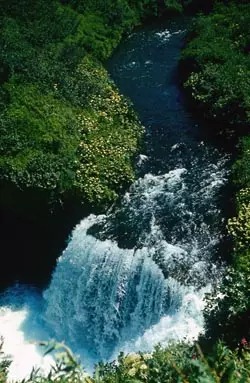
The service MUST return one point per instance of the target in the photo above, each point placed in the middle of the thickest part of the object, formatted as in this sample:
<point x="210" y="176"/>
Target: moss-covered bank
<point x="65" y="132"/>
<point x="217" y="64"/>
<point x="68" y="139"/>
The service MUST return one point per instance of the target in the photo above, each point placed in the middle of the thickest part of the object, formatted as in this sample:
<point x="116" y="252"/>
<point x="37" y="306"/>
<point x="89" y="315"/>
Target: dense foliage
<point x="65" y="132"/>
<point x="178" y="363"/>
<point x="218" y="63"/>
<point x="64" y="128"/>
<point x="228" y="310"/>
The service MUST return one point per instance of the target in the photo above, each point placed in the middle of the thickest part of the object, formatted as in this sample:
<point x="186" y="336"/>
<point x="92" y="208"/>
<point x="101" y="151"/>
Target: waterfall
<point x="137" y="275"/>
<point x="101" y="295"/>
<point x="104" y="298"/>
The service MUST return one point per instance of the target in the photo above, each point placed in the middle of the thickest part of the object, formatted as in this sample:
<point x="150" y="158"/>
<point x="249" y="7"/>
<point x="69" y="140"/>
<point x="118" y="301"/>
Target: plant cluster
<point x="218" y="62"/>
<point x="53" y="91"/>
<point x="217" y="65"/>
<point x="228" y="310"/>
<point x="52" y="86"/>
<point x="178" y="363"/>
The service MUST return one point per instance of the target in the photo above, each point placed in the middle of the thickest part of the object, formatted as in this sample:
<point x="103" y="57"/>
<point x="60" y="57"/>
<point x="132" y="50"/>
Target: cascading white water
<point x="136" y="276"/>
<point x="103" y="298"/>
<point x="21" y="329"/>
<point x="101" y="295"/>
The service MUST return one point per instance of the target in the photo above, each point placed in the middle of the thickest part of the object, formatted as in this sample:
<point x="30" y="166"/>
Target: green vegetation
<point x="217" y="56"/>
<point x="4" y="364"/>
<point x="178" y="363"/>
<point x="228" y="310"/>
<point x="64" y="129"/>
<point x="66" y="132"/>
<point x="217" y="64"/>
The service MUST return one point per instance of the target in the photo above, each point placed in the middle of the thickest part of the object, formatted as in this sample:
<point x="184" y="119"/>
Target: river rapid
<point x="137" y="275"/>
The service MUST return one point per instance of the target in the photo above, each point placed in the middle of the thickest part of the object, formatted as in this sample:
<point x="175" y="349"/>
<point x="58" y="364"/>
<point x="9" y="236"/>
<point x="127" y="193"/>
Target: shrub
<point x="227" y="312"/>
<point x="177" y="363"/>
<point x="38" y="140"/>
<point x="56" y="90"/>
<point x="220" y="64"/>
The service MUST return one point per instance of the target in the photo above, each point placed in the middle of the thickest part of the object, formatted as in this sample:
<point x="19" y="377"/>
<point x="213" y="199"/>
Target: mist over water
<point x="137" y="275"/>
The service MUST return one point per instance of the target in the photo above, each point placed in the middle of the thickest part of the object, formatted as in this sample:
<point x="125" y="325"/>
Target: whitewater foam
<point x="136" y="276"/>
<point x="20" y="342"/>
<point x="103" y="298"/>
<point x="100" y="296"/>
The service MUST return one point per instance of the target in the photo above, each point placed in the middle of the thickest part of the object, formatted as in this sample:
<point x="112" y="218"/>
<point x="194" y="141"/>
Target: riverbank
<point x="68" y="139"/>
<point x="216" y="78"/>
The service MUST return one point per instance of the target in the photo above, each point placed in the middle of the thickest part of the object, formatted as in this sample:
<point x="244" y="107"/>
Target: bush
<point x="227" y="312"/>
<point x="38" y="140"/>
<point x="5" y="362"/>
<point x="217" y="64"/>
<point x="177" y="363"/>
<point x="217" y="50"/>
<point x="54" y="91"/>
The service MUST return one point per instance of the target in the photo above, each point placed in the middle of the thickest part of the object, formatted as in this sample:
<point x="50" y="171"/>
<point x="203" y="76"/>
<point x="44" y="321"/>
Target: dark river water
<point x="137" y="275"/>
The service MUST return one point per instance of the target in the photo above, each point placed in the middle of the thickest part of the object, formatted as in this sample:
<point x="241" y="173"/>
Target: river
<point x="137" y="275"/>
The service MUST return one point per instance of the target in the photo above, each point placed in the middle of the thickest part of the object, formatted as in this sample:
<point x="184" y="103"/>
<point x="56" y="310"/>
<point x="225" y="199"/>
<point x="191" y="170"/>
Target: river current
<point x="137" y="275"/>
